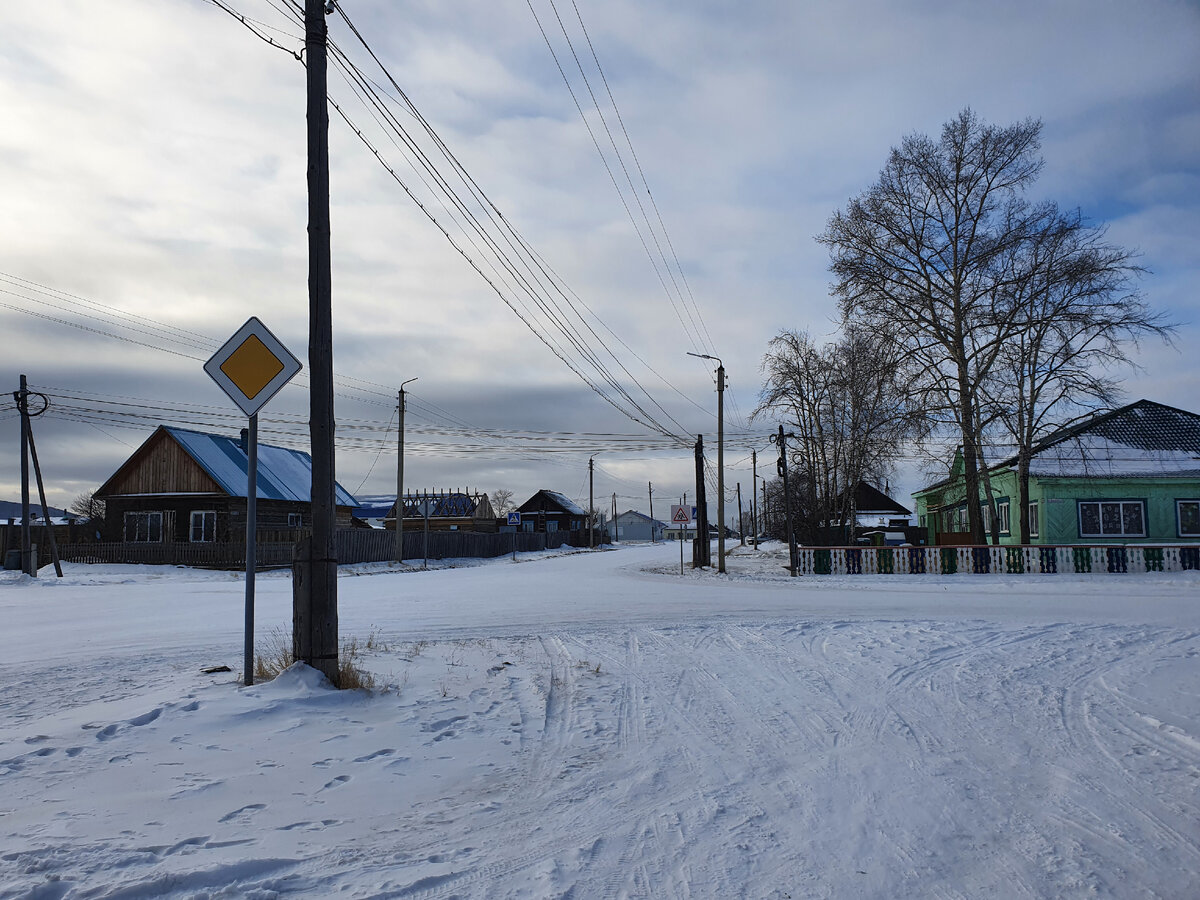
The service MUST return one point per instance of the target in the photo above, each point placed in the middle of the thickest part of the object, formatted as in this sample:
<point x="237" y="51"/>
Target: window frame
<point x="147" y="516"/>
<point x="1004" y="515"/>
<point x="1034" y="516"/>
<point x="1179" y="532"/>
<point x="204" y="515"/>
<point x="295" y="520"/>
<point x="1099" y="504"/>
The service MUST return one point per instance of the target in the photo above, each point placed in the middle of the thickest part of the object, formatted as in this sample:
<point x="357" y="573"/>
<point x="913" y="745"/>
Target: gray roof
<point x="1145" y="425"/>
<point x="283" y="474"/>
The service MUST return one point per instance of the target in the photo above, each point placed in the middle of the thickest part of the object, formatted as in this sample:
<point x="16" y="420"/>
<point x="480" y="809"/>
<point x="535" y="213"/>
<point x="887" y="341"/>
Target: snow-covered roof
<point x="634" y="514"/>
<point x="1141" y="439"/>
<point x="283" y="474"/>
<point x="565" y="502"/>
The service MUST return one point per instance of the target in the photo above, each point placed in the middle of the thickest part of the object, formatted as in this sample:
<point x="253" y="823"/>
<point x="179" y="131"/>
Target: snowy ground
<point x="596" y="725"/>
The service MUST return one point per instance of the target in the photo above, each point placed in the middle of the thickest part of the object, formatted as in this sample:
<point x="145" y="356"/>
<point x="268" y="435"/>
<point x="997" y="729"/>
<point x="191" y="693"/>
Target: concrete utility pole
<point x="400" y="481"/>
<point x="591" y="502"/>
<point x="314" y="608"/>
<point x="720" y="458"/>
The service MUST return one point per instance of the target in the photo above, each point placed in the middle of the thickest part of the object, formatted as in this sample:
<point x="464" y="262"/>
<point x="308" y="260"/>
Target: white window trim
<point x="1034" y="519"/>
<point x="1004" y="516"/>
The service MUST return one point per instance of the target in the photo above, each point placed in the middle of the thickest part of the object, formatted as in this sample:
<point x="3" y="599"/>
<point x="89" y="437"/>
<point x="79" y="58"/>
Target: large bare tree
<point x="922" y="256"/>
<point x="1073" y="301"/>
<point x="846" y="403"/>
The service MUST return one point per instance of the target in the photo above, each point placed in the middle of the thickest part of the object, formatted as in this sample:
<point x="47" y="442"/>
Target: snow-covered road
<point x="595" y="725"/>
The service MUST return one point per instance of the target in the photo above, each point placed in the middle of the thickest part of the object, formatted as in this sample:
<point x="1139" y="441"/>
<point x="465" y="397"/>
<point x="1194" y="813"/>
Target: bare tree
<point x="846" y="404"/>
<point x="502" y="501"/>
<point x="921" y="257"/>
<point x="88" y="506"/>
<point x="1076" y="312"/>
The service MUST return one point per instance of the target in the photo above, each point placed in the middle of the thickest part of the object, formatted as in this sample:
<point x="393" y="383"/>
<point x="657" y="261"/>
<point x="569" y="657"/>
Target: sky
<point x="153" y="166"/>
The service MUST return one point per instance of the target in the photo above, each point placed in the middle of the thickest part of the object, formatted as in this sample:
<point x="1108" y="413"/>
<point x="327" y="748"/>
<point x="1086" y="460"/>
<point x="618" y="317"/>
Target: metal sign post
<point x="681" y="515"/>
<point x="251" y="367"/>
<point x="514" y="518"/>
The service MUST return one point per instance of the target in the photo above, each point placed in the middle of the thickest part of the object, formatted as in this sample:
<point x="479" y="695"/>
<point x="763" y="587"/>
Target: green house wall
<point x="1058" y="506"/>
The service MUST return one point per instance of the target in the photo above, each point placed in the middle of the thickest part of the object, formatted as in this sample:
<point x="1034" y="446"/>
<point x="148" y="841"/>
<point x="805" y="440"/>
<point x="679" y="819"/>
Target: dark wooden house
<point x="551" y="511"/>
<point x="190" y="486"/>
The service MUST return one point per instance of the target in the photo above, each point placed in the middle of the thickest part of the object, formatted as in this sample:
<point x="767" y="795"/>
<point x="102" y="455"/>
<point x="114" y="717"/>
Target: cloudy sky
<point x="152" y="159"/>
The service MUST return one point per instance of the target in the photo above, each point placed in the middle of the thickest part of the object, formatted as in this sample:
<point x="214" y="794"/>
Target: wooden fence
<point x="1006" y="560"/>
<point x="354" y="545"/>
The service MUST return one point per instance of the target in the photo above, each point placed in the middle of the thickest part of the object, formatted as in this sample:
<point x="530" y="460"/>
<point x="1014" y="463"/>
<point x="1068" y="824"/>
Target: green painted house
<point x="1131" y="475"/>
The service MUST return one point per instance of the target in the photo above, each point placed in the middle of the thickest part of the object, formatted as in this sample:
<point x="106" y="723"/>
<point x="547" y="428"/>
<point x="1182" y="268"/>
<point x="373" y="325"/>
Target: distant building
<point x="446" y="511"/>
<point x="632" y="525"/>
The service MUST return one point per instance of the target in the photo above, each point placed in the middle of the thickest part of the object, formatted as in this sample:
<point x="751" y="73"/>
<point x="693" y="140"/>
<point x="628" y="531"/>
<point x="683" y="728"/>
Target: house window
<point x="294" y="520"/>
<point x="986" y="510"/>
<point x="1002" y="514"/>
<point x="143" y="527"/>
<point x="1033" y="519"/>
<point x="551" y="525"/>
<point x="1188" y="515"/>
<point x="204" y="526"/>
<point x="1112" y="518"/>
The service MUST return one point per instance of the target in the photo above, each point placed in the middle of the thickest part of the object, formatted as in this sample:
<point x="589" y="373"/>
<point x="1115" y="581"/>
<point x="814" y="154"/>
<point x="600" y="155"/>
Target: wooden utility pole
<point x="702" y="549"/>
<point x="28" y="563"/>
<point x="314" y="607"/>
<point x="616" y="527"/>
<point x="787" y="500"/>
<point x="650" y="487"/>
<point x="721" y="467"/>
<point x="741" y="519"/>
<point x="591" y="503"/>
<point x="400" y="481"/>
<point x="720" y="459"/>
<point x="754" y="497"/>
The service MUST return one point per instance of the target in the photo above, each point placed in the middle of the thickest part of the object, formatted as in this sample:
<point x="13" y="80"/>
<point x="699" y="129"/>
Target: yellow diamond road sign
<point x="252" y="366"/>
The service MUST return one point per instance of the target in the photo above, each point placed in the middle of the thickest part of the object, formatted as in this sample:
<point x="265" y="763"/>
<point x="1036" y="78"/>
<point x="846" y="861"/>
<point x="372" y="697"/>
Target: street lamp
<point x="720" y="458"/>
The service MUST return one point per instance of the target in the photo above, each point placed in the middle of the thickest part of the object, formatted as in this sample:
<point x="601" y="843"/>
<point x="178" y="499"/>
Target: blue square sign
<point x="514" y="518"/>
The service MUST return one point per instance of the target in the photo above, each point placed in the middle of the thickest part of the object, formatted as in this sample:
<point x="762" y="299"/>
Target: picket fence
<point x="1010" y="560"/>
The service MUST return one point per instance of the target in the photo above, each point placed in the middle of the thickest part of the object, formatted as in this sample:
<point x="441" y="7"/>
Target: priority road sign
<point x="252" y="366"/>
<point x="680" y="515"/>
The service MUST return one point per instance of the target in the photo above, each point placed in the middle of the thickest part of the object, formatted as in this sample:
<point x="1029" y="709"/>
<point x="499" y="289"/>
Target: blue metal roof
<point x="283" y="474"/>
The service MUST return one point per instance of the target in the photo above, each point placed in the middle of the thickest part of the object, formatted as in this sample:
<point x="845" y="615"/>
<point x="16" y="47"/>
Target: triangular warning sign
<point x="681" y="515"/>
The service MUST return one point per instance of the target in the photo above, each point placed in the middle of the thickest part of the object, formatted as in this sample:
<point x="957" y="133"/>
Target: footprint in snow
<point x="336" y="782"/>
<point x="242" y="813"/>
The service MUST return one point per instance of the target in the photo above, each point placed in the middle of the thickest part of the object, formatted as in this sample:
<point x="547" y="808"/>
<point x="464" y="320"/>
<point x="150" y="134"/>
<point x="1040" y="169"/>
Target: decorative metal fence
<point x="1007" y="560"/>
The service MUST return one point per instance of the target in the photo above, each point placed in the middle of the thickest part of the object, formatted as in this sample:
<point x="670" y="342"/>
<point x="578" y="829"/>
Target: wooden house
<point x="190" y="486"/>
<point x="1131" y="475"/>
<point x="548" y="511"/>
